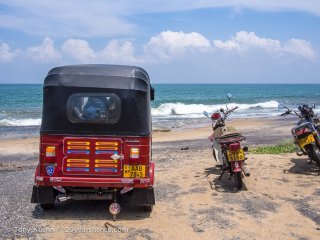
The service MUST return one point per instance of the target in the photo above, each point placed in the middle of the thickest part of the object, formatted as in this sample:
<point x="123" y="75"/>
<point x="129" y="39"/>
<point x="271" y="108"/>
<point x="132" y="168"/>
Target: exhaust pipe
<point x="300" y="154"/>
<point x="63" y="198"/>
<point x="246" y="171"/>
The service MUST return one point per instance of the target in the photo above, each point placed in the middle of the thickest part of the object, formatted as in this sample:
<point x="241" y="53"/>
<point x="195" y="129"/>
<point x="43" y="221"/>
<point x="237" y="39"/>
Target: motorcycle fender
<point x="236" y="166"/>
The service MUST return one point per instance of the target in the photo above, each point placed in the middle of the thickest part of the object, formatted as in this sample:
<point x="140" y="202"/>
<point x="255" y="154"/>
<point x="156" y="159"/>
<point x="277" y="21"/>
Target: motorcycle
<point x="306" y="134"/>
<point x="226" y="145"/>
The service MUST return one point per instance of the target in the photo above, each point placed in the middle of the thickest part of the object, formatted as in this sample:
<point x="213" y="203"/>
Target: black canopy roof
<point x="99" y="76"/>
<point x="131" y="84"/>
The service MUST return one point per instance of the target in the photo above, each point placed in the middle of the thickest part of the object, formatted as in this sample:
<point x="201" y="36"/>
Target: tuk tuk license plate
<point x="306" y="140"/>
<point x="236" y="155"/>
<point x="132" y="171"/>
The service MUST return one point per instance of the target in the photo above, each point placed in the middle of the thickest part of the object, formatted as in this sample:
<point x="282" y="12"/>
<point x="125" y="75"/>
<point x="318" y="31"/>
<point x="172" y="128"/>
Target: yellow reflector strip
<point x="78" y="143"/>
<point x="105" y="161"/>
<point x="107" y="144"/>
<point x="77" y="165"/>
<point x="50" y="151"/>
<point x="79" y="147"/>
<point x="78" y="160"/>
<point x="106" y="165"/>
<point x="106" y="148"/>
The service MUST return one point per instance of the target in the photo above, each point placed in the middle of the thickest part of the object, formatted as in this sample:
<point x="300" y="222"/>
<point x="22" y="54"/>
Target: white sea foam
<point x="20" y="122"/>
<point x="176" y="110"/>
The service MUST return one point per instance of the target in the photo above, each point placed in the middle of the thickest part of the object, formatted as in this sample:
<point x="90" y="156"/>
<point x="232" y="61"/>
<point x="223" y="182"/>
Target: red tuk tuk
<point x="95" y="137"/>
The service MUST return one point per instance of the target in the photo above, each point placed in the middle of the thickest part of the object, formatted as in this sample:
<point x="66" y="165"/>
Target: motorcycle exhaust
<point x="300" y="154"/>
<point x="246" y="171"/>
<point x="63" y="198"/>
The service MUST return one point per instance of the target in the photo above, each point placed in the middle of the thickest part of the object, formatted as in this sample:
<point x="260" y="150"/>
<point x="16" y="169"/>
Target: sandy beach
<point x="280" y="199"/>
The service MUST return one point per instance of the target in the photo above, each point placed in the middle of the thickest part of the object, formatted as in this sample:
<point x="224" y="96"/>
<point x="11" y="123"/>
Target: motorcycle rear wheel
<point x="238" y="180"/>
<point x="314" y="154"/>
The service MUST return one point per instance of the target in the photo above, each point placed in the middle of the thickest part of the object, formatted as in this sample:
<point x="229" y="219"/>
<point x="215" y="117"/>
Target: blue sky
<point x="176" y="41"/>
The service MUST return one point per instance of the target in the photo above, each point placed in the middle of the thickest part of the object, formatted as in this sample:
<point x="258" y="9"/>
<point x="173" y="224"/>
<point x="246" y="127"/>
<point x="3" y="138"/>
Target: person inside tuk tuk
<point x="91" y="108"/>
<point x="95" y="108"/>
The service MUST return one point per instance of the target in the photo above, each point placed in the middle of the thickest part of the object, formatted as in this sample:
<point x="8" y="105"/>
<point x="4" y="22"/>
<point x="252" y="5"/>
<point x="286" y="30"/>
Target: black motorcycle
<point x="306" y="133"/>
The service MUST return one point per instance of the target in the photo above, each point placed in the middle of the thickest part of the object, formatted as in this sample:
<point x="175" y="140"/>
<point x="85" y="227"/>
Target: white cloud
<point x="118" y="52"/>
<point x="244" y="42"/>
<point x="170" y="44"/>
<point x="167" y="46"/>
<point x="227" y="45"/>
<point x="45" y="53"/>
<point x="78" y="49"/>
<point x="6" y="54"/>
<point x="300" y="47"/>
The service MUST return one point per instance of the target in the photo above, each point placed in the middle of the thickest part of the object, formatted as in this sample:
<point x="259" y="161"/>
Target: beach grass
<point x="284" y="147"/>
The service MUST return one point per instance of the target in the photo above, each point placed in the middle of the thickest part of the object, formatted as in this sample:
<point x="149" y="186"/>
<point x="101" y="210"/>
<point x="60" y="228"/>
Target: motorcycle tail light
<point x="302" y="131"/>
<point x="234" y="147"/>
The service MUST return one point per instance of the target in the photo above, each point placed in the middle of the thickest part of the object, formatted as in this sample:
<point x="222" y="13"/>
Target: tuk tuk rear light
<point x="50" y="154"/>
<point x="134" y="153"/>
<point x="50" y="151"/>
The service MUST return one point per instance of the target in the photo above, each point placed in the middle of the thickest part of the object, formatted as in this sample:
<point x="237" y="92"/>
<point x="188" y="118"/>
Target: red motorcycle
<point x="226" y="145"/>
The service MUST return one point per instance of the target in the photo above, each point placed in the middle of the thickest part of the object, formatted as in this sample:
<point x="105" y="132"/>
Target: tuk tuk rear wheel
<point x="46" y="206"/>
<point x="148" y="208"/>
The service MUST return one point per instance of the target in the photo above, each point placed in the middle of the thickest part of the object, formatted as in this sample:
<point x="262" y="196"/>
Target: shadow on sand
<point x="89" y="210"/>
<point x="226" y="184"/>
<point x="303" y="166"/>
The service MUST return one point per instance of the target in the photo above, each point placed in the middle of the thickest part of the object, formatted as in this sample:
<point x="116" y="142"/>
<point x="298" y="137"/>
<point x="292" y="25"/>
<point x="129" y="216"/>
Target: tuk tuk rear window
<point x="104" y="108"/>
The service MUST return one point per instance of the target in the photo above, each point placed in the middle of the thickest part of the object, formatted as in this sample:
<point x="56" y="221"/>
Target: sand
<point x="280" y="199"/>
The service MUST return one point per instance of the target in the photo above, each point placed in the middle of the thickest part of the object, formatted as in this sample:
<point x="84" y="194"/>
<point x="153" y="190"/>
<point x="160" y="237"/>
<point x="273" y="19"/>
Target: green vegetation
<point x="285" y="147"/>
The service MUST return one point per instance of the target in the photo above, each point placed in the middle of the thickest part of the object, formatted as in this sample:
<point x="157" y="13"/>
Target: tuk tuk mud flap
<point x="92" y="156"/>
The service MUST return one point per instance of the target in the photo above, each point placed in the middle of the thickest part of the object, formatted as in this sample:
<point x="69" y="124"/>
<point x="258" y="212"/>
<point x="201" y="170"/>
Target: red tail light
<point x="50" y="154"/>
<point x="134" y="155"/>
<point x="302" y="131"/>
<point x="234" y="147"/>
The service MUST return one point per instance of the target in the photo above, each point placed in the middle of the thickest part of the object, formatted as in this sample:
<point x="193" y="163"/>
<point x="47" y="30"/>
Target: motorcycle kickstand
<point x="221" y="175"/>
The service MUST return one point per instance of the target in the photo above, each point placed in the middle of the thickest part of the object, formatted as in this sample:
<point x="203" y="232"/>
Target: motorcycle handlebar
<point x="232" y="109"/>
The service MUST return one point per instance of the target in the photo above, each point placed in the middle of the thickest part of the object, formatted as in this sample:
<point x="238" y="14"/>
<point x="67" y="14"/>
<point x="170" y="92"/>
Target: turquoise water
<point x="21" y="105"/>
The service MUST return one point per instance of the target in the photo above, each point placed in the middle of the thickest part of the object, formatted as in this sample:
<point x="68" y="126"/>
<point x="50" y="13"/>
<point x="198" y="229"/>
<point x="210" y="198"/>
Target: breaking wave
<point x="196" y="110"/>
<point x="20" y="122"/>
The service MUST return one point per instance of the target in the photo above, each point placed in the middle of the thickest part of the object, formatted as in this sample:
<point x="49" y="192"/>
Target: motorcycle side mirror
<point x="206" y="114"/>
<point x="229" y="96"/>
<point x="281" y="106"/>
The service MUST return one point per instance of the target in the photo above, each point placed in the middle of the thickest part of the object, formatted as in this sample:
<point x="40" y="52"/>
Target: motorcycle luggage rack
<point x="236" y="137"/>
<point x="303" y="125"/>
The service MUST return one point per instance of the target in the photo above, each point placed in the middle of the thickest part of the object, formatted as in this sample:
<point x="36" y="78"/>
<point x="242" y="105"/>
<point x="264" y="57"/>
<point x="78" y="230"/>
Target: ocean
<point x="175" y="105"/>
